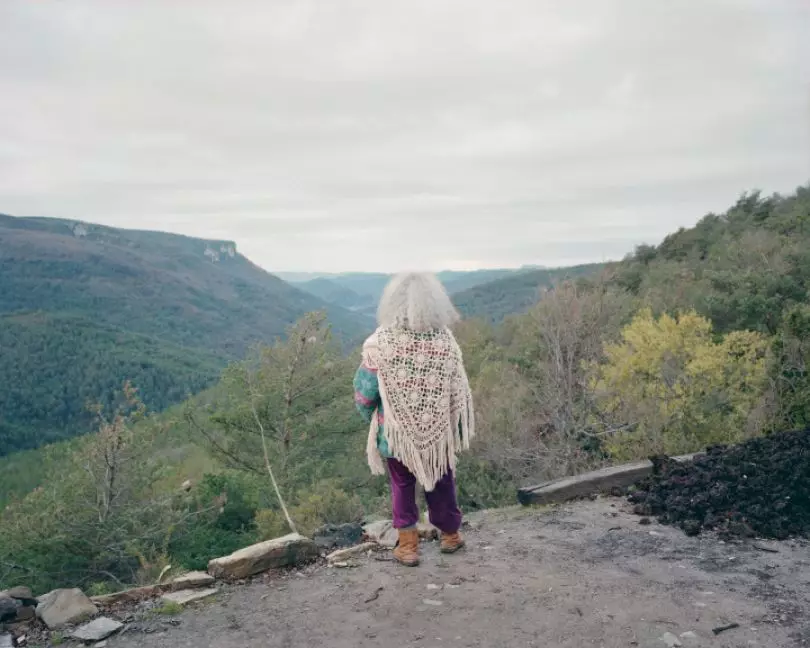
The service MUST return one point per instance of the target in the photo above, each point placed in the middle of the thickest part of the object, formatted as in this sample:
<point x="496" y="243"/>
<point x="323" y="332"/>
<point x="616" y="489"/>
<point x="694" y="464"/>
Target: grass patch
<point x="170" y="608"/>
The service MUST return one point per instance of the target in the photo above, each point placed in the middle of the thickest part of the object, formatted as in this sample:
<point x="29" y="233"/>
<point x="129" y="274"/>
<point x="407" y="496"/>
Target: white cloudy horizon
<point x="381" y="136"/>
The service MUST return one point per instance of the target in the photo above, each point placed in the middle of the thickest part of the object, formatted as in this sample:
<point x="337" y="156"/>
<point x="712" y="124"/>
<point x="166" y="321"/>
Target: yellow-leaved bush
<point x="670" y="386"/>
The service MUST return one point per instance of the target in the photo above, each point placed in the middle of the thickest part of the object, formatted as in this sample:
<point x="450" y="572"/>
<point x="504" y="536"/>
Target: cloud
<point x="379" y="136"/>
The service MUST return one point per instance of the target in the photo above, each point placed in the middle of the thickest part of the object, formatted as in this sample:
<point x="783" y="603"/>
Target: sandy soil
<point x="582" y="575"/>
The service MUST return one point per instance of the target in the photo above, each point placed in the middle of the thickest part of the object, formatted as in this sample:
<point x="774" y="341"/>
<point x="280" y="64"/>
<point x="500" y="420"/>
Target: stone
<point x="186" y="486"/>
<point x="64" y="606"/>
<point x="671" y="640"/>
<point x="382" y="532"/>
<point x="332" y="536"/>
<point x="289" y="550"/>
<point x="20" y="593"/>
<point x="184" y="597"/>
<point x="8" y="609"/>
<point x="427" y="531"/>
<point x="6" y="641"/>
<point x="97" y="630"/>
<point x="192" y="580"/>
<point x="26" y="613"/>
<point x="342" y="554"/>
<point x="432" y="602"/>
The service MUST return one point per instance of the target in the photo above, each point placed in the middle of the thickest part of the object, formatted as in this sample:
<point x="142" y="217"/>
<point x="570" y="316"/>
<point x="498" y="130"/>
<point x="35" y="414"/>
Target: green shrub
<point x="325" y="503"/>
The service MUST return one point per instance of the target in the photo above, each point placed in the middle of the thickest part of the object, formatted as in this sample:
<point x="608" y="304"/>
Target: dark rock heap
<point x="758" y="488"/>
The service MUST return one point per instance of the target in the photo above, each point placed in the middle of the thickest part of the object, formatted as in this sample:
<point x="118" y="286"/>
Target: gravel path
<point x="585" y="575"/>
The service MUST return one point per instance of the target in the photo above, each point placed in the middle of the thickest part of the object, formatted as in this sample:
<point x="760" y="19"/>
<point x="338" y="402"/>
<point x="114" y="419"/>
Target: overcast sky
<point x="420" y="134"/>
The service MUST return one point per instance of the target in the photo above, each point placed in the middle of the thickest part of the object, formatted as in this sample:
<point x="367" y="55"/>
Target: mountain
<point x="333" y="292"/>
<point x="516" y="292"/>
<point x="84" y="307"/>
<point x="359" y="291"/>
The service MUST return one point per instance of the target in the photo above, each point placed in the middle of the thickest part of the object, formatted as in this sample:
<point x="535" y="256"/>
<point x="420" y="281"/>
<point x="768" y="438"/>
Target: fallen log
<point x="590" y="483"/>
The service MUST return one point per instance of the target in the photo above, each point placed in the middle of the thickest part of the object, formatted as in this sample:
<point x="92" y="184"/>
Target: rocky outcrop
<point x="63" y="607"/>
<point x="289" y="550"/>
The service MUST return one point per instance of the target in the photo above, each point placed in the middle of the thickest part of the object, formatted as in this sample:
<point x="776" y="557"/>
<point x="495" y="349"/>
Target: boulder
<point x="192" y="580"/>
<point x="184" y="597"/>
<point x="97" y="630"/>
<point x="381" y="532"/>
<point x="289" y="550"/>
<point x="64" y="606"/>
<point x="333" y="536"/>
<point x="6" y="640"/>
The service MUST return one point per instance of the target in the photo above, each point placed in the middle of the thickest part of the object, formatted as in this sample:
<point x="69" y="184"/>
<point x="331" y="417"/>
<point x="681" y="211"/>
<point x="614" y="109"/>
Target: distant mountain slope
<point x="126" y="304"/>
<point x="333" y="292"/>
<point x="362" y="291"/>
<point x="515" y="293"/>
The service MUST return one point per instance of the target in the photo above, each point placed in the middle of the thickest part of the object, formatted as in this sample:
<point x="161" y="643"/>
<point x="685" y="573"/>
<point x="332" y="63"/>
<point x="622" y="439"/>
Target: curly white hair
<point x="416" y="301"/>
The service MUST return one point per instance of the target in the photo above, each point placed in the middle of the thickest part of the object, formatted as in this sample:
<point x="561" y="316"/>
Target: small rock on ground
<point x="382" y="532"/>
<point x="184" y="597"/>
<point x="97" y="630"/>
<point x="21" y="593"/>
<point x="8" y="610"/>
<point x="670" y="640"/>
<point x="193" y="579"/>
<point x="65" y="606"/>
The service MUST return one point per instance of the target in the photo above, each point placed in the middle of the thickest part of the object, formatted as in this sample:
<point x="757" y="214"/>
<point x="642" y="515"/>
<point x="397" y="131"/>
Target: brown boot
<point x="451" y="542"/>
<point x="407" y="549"/>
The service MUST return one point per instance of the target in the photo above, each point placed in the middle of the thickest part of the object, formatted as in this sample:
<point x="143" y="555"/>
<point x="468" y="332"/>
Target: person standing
<point x="413" y="390"/>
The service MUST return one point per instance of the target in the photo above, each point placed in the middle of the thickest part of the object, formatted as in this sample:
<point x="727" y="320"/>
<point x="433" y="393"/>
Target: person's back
<point x="413" y="390"/>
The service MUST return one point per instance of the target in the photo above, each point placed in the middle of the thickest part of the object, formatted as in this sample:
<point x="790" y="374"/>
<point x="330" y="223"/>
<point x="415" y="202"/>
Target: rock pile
<point x="758" y="488"/>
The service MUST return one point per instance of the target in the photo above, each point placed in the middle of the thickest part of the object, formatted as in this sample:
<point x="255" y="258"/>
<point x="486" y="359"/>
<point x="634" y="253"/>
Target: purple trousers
<point x="442" y="505"/>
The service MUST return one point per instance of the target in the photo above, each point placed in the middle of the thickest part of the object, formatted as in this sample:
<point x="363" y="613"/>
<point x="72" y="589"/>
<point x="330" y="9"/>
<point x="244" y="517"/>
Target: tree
<point x="97" y="519"/>
<point x="791" y="368"/>
<point x="530" y="394"/>
<point x="272" y="399"/>
<point x="668" y="387"/>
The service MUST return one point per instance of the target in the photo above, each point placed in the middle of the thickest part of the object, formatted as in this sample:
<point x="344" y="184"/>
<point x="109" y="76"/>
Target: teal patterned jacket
<point x="367" y="399"/>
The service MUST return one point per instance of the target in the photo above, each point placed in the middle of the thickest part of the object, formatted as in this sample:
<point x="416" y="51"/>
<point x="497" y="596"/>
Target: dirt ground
<point x="588" y="574"/>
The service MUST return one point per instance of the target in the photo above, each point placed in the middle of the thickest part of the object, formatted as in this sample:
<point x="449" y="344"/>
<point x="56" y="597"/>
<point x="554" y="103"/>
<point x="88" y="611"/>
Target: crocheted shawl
<point x="426" y="399"/>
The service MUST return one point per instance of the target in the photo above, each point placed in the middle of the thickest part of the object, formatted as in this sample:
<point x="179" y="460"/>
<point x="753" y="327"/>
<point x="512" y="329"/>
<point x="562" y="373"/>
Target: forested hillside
<point x="85" y="307"/>
<point x="516" y="292"/>
<point x="744" y="269"/>
<point x="700" y="340"/>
